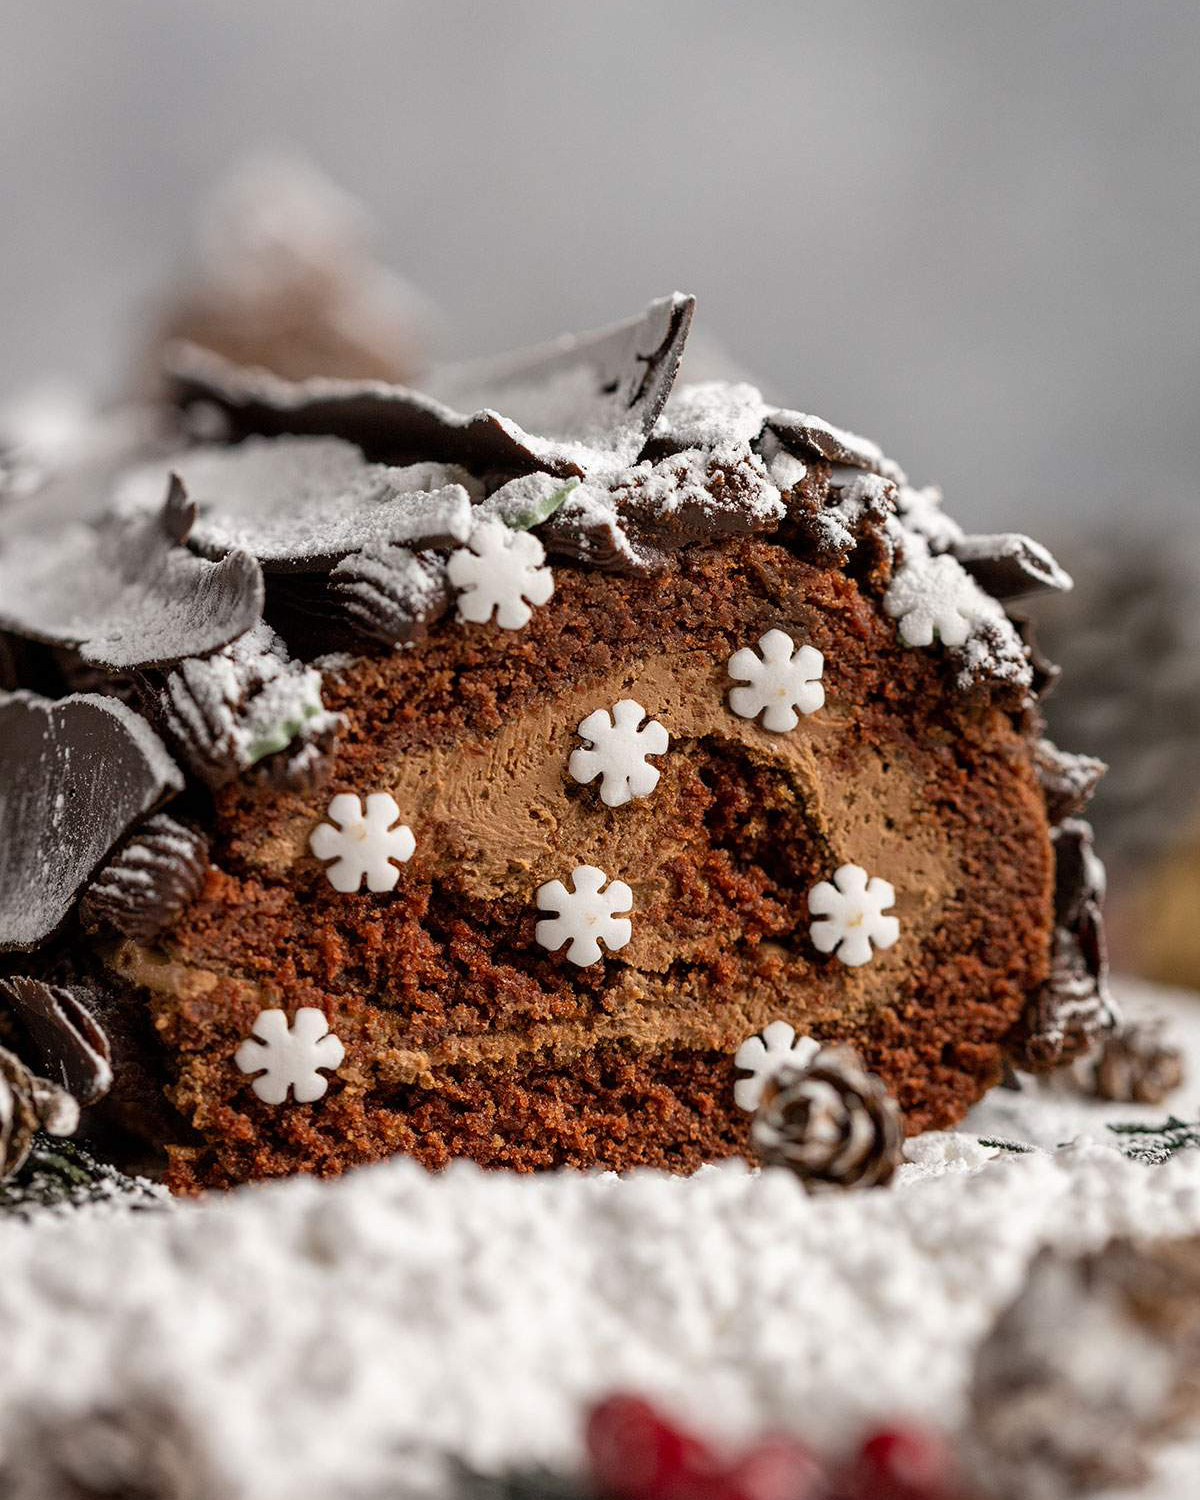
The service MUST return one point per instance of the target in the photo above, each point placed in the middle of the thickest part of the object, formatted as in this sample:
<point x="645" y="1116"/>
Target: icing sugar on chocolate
<point x="302" y="503"/>
<point x="75" y="775"/>
<point x="124" y="592"/>
<point x="582" y="404"/>
<point x="149" y="881"/>
<point x="247" y="704"/>
<point x="1011" y="566"/>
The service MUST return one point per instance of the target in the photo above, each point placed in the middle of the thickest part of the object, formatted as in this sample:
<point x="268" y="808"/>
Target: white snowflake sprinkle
<point x="363" y="843"/>
<point x="851" y="915"/>
<point x="586" y="915"/>
<point x="500" y="571"/>
<point x="616" y="751"/>
<point x="766" y="1055"/>
<point x="781" y="680"/>
<point x="937" y="596"/>
<point x="290" y="1057"/>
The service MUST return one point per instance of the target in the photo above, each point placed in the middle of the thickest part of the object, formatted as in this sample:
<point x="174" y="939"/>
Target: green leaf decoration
<point x="281" y="735"/>
<point x="541" y="510"/>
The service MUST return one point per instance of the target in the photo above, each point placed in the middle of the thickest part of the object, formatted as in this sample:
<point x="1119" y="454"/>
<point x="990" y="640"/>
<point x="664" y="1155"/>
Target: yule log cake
<point x="473" y="771"/>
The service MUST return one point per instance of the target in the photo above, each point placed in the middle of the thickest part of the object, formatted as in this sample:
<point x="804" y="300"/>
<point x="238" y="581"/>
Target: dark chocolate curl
<point x="75" y="775"/>
<point x="1011" y="566"/>
<point x="488" y="415"/>
<point x="63" y="1027"/>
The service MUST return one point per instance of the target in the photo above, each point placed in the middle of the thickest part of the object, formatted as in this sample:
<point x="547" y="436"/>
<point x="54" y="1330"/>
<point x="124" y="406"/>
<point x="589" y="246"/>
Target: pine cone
<point x="1037" y="1429"/>
<point x="832" y="1123"/>
<point x="60" y="1022"/>
<point x="28" y="1104"/>
<point x="246" y="705"/>
<point x="1134" y="1067"/>
<point x="150" y="881"/>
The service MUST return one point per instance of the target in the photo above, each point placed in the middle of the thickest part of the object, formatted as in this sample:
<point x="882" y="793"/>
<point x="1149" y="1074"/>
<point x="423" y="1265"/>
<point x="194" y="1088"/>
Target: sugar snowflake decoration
<point x="616" y="751"/>
<point x="931" y="596"/>
<point x="290" y="1057"/>
<point x="781" y="680"/>
<point x="363" y="843"/>
<point x="500" y="571"/>
<point x="850" y="912"/>
<point x="586" y="915"/>
<point x="764" y="1056"/>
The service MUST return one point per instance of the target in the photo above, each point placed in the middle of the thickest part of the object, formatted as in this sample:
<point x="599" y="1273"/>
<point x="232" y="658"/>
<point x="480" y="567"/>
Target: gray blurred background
<point x="969" y="230"/>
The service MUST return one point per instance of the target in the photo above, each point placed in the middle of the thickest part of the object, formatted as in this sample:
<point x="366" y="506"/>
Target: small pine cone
<point x="1134" y="1067"/>
<point x="150" y="881"/>
<point x="248" y="706"/>
<point x="28" y="1104"/>
<point x="832" y="1123"/>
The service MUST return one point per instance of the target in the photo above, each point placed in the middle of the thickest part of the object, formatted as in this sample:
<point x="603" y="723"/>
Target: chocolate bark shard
<point x="1067" y="780"/>
<point x="303" y="503"/>
<point x="811" y="435"/>
<point x="1074" y="1007"/>
<point x="633" y="521"/>
<point x="391" y="594"/>
<point x="75" y="775"/>
<point x="61" y="1024"/>
<point x="123" y="592"/>
<point x="1011" y="566"/>
<point x="149" y="881"/>
<point x="580" y="405"/>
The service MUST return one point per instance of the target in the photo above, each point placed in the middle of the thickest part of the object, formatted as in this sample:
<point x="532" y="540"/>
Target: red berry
<point x="636" y="1454"/>
<point x="776" y="1468"/>
<point x="902" y="1463"/>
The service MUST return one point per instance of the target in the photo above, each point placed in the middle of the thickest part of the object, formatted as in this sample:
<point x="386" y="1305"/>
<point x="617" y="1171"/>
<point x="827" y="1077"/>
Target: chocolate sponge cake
<point x="478" y="771"/>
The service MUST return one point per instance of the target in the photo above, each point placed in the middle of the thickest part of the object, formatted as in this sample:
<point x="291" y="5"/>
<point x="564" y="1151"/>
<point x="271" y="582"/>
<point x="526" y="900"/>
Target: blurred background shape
<point x="968" y="230"/>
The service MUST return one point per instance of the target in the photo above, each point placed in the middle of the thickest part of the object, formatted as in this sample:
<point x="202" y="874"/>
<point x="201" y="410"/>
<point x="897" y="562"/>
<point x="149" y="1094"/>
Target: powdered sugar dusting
<point x="341" y="1337"/>
<point x="721" y="416"/>
<point x="298" y="501"/>
<point x="934" y="597"/>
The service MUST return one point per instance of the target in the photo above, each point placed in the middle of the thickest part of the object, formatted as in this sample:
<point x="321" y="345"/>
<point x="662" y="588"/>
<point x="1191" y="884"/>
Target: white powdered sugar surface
<point x="339" y="1338"/>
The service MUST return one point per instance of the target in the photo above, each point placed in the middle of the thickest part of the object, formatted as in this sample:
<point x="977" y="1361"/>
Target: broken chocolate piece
<point x="1074" y="1007"/>
<point x="812" y="436"/>
<point x="123" y="592"/>
<point x="634" y="521"/>
<point x="75" y="775"/>
<point x="302" y="503"/>
<point x="62" y="1026"/>
<point x="1011" y="566"/>
<point x="576" y="406"/>
<point x="149" y="881"/>
<point x="1068" y="781"/>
